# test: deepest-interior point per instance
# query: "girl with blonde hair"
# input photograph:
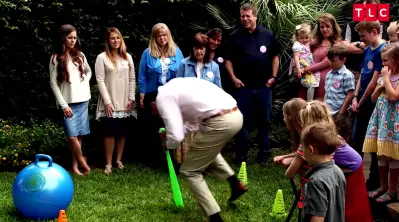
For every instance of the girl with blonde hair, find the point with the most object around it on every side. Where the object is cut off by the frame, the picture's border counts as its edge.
(303, 58)
(382, 134)
(117, 85)
(293, 161)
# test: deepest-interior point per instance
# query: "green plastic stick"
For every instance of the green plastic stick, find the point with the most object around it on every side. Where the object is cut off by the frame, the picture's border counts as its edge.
(177, 197)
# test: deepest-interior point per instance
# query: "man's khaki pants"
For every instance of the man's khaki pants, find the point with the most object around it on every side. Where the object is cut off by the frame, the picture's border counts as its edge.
(204, 153)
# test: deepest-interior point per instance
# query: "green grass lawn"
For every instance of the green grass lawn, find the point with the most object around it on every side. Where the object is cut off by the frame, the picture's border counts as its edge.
(140, 193)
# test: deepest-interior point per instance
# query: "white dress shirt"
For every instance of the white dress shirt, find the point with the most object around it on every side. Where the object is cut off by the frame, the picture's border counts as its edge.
(190, 100)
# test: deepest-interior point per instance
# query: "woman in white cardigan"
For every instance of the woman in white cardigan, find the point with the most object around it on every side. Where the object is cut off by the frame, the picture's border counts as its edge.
(117, 84)
(70, 81)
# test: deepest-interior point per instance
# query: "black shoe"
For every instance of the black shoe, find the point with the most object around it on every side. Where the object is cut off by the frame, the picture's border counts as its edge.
(215, 218)
(237, 191)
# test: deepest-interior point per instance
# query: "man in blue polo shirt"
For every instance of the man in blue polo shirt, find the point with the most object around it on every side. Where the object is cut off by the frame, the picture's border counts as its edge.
(252, 64)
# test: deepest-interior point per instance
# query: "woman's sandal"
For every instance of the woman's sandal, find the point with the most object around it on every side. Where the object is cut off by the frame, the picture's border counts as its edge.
(119, 164)
(108, 169)
(376, 193)
(386, 198)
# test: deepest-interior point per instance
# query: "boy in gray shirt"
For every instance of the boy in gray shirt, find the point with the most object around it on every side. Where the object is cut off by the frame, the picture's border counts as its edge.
(325, 191)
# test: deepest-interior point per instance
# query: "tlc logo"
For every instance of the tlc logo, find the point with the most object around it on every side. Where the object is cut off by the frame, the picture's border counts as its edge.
(370, 12)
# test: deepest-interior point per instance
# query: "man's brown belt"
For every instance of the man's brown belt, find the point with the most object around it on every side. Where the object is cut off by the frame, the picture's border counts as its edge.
(221, 113)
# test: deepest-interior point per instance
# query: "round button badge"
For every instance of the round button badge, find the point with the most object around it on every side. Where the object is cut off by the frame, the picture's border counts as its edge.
(263, 49)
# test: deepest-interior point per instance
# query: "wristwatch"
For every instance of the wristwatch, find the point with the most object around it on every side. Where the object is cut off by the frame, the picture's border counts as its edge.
(358, 44)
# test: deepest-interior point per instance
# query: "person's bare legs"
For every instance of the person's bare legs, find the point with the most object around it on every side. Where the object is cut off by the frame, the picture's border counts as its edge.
(75, 165)
(76, 149)
(120, 145)
(109, 145)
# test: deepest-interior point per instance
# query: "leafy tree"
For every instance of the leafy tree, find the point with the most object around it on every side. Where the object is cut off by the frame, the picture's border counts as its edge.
(281, 17)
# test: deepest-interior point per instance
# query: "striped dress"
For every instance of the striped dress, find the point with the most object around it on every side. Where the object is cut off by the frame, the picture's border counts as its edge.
(303, 180)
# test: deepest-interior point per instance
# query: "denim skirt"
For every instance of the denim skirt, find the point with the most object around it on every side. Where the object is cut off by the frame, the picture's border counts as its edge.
(78, 124)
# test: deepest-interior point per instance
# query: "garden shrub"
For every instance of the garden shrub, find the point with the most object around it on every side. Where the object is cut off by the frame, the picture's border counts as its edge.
(20, 142)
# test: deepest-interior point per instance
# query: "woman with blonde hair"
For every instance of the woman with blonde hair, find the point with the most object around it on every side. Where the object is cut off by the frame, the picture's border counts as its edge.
(116, 83)
(70, 76)
(158, 65)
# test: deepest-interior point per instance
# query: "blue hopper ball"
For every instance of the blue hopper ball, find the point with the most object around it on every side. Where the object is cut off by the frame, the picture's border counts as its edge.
(42, 189)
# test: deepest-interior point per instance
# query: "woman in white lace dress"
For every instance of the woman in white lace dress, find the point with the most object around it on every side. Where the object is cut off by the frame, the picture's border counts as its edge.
(116, 83)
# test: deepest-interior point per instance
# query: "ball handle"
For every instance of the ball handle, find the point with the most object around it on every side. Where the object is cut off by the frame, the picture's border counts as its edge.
(44, 156)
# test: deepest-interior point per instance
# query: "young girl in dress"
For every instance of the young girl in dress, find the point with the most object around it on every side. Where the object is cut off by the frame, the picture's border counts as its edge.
(303, 58)
(294, 162)
(356, 200)
(382, 134)
(70, 81)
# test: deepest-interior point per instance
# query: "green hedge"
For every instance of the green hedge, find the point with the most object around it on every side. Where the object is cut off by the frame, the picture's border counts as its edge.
(19, 142)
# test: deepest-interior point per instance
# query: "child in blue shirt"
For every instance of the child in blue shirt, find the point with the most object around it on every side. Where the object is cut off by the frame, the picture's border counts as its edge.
(339, 87)
(361, 104)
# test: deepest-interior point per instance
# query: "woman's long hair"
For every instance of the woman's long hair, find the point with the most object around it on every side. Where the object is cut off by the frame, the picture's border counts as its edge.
(336, 30)
(154, 49)
(60, 53)
(108, 48)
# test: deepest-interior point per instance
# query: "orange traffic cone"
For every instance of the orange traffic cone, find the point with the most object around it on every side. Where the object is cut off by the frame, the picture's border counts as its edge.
(62, 216)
